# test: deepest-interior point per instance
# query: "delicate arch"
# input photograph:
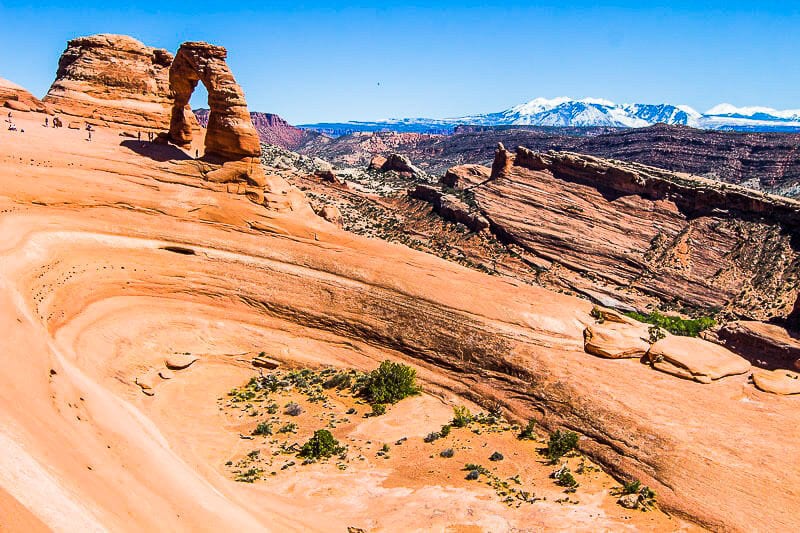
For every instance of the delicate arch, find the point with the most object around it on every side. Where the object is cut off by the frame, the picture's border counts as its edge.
(230, 133)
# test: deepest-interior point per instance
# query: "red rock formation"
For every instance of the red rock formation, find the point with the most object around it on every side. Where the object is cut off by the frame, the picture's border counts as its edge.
(624, 233)
(113, 79)
(15, 97)
(271, 129)
(230, 134)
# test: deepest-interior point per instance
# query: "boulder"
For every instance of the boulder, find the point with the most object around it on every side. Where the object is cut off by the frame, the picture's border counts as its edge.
(464, 176)
(765, 345)
(696, 359)
(16, 105)
(777, 381)
(113, 78)
(402, 165)
(180, 361)
(261, 361)
(332, 214)
(376, 163)
(616, 340)
(327, 175)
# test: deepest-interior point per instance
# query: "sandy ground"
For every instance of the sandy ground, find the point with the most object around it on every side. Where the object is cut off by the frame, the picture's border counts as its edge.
(91, 302)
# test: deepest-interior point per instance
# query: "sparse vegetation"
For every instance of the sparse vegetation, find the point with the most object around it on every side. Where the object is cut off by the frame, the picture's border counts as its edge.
(263, 429)
(378, 409)
(389, 383)
(447, 453)
(321, 445)
(461, 417)
(675, 324)
(528, 432)
(496, 456)
(561, 443)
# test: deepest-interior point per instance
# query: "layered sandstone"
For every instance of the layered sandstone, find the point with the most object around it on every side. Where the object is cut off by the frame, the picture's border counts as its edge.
(114, 80)
(631, 234)
(17, 98)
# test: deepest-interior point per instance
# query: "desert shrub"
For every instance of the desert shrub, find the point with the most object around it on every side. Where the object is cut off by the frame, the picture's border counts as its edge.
(447, 453)
(289, 427)
(566, 479)
(293, 409)
(461, 417)
(445, 431)
(340, 380)
(472, 467)
(675, 324)
(631, 487)
(655, 334)
(263, 428)
(496, 456)
(473, 475)
(389, 383)
(430, 437)
(561, 443)
(378, 409)
(320, 445)
(528, 432)
(249, 476)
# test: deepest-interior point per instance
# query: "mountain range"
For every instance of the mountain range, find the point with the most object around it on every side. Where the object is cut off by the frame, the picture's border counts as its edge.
(589, 112)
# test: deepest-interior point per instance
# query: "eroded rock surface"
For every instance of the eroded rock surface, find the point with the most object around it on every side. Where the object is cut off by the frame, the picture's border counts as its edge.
(113, 79)
(635, 235)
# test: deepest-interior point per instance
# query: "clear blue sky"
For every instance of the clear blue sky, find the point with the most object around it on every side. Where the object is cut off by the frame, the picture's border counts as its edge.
(315, 61)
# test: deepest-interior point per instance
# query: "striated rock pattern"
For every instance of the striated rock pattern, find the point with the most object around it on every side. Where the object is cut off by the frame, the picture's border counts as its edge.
(113, 79)
(230, 132)
(271, 129)
(621, 232)
(15, 97)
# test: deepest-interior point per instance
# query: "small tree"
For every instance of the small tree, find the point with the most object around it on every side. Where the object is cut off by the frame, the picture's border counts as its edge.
(390, 383)
(461, 417)
(321, 445)
(560, 444)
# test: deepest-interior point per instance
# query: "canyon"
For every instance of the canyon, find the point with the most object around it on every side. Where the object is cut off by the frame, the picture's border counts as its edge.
(141, 281)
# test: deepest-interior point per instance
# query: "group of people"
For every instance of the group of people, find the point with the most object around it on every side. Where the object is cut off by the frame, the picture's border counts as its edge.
(11, 125)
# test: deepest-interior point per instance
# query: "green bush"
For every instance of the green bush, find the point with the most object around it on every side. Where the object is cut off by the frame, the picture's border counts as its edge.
(674, 324)
(378, 409)
(263, 428)
(566, 479)
(631, 487)
(528, 432)
(445, 431)
(560, 444)
(321, 445)
(461, 417)
(389, 383)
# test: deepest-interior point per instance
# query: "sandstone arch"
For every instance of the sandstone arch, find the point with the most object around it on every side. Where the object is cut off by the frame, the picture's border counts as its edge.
(230, 133)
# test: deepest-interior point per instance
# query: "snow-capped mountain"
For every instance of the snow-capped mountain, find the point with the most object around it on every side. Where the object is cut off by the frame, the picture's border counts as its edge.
(596, 112)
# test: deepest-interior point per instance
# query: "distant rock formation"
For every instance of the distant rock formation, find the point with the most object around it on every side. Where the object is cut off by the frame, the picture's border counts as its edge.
(764, 161)
(230, 133)
(271, 129)
(17, 98)
(113, 79)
